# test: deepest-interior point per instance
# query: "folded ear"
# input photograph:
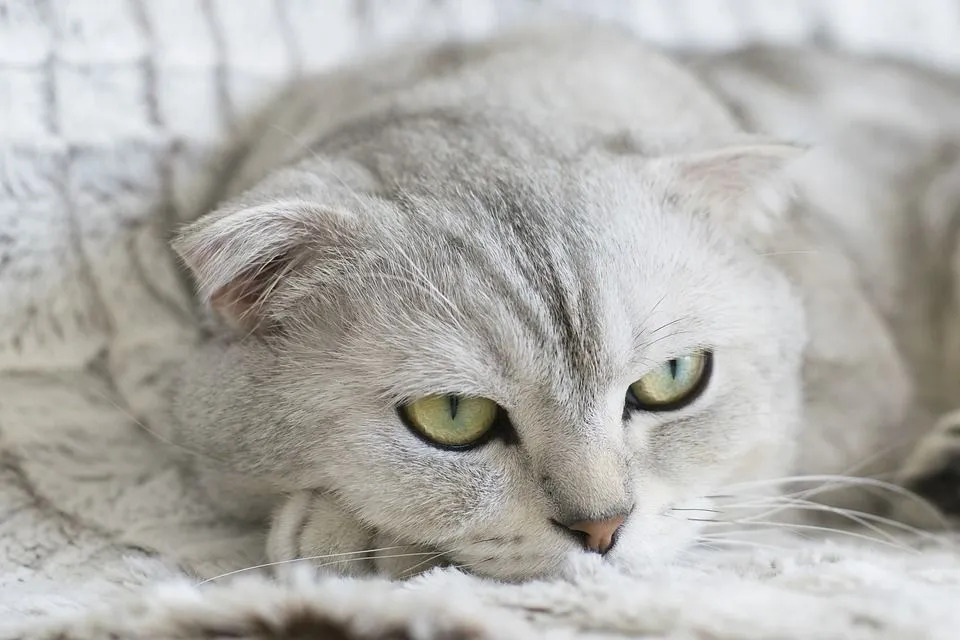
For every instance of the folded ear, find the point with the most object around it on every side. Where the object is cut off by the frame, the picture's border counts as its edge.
(744, 184)
(240, 258)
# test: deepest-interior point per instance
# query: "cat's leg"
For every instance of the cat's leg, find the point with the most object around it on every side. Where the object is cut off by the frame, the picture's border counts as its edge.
(310, 525)
(933, 471)
(401, 561)
(933, 468)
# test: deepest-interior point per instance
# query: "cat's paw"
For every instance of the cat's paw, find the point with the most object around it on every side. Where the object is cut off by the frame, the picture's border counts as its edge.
(933, 468)
(311, 526)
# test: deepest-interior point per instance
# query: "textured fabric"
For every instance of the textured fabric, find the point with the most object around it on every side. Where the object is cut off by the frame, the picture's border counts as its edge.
(112, 113)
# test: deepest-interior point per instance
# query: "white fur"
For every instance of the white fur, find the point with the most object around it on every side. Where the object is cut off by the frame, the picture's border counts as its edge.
(368, 291)
(447, 214)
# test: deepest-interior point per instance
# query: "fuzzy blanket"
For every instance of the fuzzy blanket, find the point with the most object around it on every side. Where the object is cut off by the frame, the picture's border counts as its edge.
(112, 115)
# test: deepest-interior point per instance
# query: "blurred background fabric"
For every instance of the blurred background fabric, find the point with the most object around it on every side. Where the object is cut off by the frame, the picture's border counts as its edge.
(129, 97)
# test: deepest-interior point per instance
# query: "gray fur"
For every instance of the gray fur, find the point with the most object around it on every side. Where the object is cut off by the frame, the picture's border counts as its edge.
(537, 219)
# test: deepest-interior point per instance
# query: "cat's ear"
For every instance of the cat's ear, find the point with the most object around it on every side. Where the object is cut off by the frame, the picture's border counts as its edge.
(746, 184)
(240, 257)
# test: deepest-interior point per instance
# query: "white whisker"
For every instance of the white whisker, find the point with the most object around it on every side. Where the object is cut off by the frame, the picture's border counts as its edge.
(393, 555)
(303, 559)
(692, 509)
(472, 564)
(796, 528)
(863, 518)
(838, 481)
(410, 571)
(743, 543)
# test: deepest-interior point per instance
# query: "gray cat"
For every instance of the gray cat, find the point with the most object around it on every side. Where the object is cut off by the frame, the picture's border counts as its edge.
(529, 304)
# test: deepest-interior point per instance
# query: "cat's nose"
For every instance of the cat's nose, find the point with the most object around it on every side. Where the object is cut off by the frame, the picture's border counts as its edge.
(599, 534)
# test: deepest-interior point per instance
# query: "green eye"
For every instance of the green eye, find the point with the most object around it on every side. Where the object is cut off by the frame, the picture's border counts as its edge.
(451, 421)
(671, 385)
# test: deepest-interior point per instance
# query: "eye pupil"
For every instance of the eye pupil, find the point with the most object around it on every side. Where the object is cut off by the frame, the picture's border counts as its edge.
(454, 403)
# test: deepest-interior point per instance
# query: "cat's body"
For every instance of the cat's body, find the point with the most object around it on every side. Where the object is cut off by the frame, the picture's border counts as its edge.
(872, 243)
(542, 220)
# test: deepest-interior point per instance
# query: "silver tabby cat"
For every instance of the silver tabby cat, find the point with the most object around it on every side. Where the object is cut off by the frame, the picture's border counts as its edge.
(527, 304)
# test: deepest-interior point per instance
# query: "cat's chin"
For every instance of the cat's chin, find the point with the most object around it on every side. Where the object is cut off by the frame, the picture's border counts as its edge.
(656, 552)
(642, 547)
(312, 527)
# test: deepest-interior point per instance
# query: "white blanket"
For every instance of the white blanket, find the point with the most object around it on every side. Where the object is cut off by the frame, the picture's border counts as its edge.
(111, 115)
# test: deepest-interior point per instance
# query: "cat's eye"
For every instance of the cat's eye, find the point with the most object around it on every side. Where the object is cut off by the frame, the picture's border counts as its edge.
(671, 385)
(451, 420)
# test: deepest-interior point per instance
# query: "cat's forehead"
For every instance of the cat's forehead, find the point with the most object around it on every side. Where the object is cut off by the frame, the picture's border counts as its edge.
(549, 290)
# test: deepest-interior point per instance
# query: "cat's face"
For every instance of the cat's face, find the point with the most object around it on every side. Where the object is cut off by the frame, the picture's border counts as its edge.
(547, 296)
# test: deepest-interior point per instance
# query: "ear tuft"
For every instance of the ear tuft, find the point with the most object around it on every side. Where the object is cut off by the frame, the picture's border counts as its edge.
(746, 183)
(240, 256)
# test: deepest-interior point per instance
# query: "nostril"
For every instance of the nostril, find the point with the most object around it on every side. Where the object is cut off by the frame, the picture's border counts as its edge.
(600, 533)
(579, 536)
(613, 540)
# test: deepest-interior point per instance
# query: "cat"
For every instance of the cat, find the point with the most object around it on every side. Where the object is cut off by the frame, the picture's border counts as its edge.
(529, 304)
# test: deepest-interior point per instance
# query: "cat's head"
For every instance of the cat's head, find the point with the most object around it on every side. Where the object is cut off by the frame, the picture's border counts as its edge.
(507, 364)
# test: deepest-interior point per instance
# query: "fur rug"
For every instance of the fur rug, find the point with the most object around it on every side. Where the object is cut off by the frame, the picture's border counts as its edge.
(113, 112)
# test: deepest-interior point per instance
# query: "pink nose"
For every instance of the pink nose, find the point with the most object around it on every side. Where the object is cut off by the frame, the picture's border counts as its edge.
(599, 533)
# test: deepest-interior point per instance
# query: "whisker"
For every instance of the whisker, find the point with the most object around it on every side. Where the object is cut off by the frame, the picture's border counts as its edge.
(810, 527)
(347, 556)
(472, 564)
(653, 309)
(394, 555)
(864, 522)
(674, 334)
(861, 517)
(453, 312)
(725, 535)
(667, 324)
(408, 572)
(411, 570)
(743, 543)
(842, 481)
(692, 509)
(303, 559)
